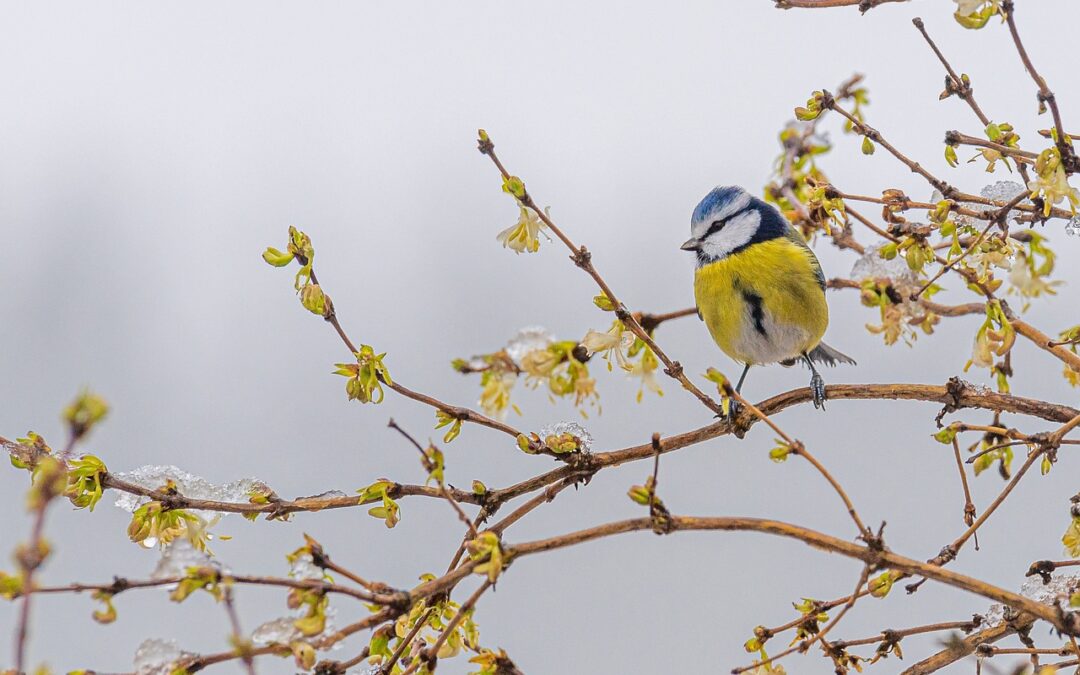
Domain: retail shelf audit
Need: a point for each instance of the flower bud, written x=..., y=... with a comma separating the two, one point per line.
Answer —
x=313, y=299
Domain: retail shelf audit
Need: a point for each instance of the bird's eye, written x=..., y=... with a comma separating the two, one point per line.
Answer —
x=715, y=227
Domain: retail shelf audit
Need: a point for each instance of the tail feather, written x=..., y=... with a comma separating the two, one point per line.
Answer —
x=825, y=354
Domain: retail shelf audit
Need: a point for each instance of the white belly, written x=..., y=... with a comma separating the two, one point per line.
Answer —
x=781, y=341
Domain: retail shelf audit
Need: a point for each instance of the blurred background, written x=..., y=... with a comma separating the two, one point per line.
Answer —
x=153, y=150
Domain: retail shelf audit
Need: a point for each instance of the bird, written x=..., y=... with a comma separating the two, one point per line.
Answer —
x=759, y=287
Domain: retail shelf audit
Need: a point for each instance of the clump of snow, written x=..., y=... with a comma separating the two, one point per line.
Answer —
x=282, y=630
x=872, y=266
x=329, y=494
x=178, y=557
x=304, y=567
x=1059, y=589
x=1002, y=190
x=528, y=340
x=1072, y=228
x=158, y=657
x=276, y=631
x=572, y=428
x=153, y=477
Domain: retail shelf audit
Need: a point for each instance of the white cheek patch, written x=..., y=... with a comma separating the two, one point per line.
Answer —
x=737, y=204
x=737, y=232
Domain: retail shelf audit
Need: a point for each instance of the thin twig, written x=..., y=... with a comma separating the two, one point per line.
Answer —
x=907, y=632
x=463, y=611
x=457, y=412
x=239, y=642
x=442, y=487
x=803, y=646
x=1068, y=155
x=969, y=505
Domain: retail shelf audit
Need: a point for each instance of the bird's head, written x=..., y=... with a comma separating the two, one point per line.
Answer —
x=728, y=220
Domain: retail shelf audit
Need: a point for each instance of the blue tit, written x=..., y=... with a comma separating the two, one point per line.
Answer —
x=759, y=287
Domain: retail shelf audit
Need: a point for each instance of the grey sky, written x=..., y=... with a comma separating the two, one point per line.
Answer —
x=151, y=151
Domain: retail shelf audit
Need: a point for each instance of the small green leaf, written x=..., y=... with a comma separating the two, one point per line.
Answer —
x=276, y=258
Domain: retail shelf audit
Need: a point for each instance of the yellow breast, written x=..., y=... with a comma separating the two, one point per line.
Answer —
x=765, y=303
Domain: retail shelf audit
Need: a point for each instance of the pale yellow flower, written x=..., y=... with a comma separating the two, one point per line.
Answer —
x=585, y=390
x=1052, y=183
x=966, y=7
x=1026, y=283
x=540, y=362
x=982, y=353
x=617, y=339
x=1071, y=539
x=495, y=396
x=893, y=324
x=1072, y=376
x=524, y=234
x=645, y=368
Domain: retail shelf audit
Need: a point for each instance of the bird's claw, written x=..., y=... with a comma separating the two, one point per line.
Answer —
x=817, y=390
x=734, y=408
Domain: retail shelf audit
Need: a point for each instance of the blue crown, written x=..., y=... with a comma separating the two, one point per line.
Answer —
x=716, y=200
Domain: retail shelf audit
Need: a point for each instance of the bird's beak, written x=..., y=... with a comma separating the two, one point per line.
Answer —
x=690, y=244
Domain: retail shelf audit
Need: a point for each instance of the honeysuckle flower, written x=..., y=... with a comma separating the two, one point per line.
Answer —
x=617, y=339
x=524, y=234
x=645, y=368
x=585, y=390
x=1054, y=188
x=1071, y=539
x=994, y=338
x=1071, y=376
x=975, y=13
x=1051, y=182
x=982, y=353
x=495, y=395
x=992, y=253
x=1026, y=281
x=892, y=324
x=539, y=363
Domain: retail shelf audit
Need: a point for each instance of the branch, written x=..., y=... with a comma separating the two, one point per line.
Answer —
x=876, y=557
x=240, y=643
x=955, y=396
x=864, y=5
x=803, y=646
x=896, y=635
x=119, y=585
x=962, y=648
x=1068, y=155
x=283, y=507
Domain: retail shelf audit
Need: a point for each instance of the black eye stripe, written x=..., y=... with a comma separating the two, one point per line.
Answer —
x=718, y=225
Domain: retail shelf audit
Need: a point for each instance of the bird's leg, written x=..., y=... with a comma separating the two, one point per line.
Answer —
x=734, y=407
x=817, y=385
x=742, y=378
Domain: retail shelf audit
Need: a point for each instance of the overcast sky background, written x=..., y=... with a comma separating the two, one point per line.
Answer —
x=151, y=151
